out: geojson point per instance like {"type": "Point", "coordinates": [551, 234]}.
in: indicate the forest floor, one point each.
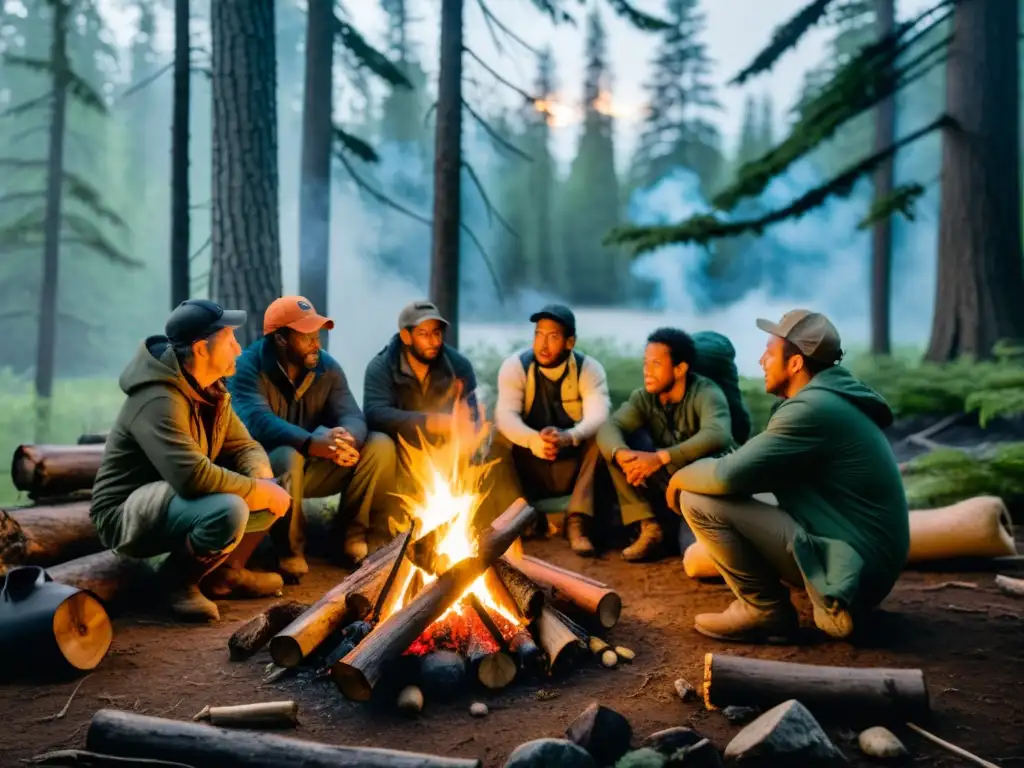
{"type": "Point", "coordinates": [967, 641]}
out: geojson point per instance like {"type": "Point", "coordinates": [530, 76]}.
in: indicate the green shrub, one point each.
{"type": "Point", "coordinates": [948, 476]}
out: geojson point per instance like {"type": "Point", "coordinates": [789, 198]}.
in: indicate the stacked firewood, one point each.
{"type": "Point", "coordinates": [440, 638]}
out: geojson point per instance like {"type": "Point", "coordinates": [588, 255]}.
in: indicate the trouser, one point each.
{"type": "Point", "coordinates": [365, 489]}
{"type": "Point", "coordinates": [648, 501]}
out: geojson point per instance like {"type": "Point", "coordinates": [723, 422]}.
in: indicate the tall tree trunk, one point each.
{"type": "Point", "coordinates": [46, 344]}
{"type": "Point", "coordinates": [444, 257]}
{"type": "Point", "coordinates": [246, 259]}
{"type": "Point", "coordinates": [317, 130]}
{"type": "Point", "coordinates": [180, 272]}
{"type": "Point", "coordinates": [881, 234]}
{"type": "Point", "coordinates": [980, 276]}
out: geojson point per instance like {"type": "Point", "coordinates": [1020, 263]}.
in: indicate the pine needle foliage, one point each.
{"type": "Point", "coordinates": [947, 476]}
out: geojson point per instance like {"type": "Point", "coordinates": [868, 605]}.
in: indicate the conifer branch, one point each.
{"type": "Point", "coordinates": [369, 56]}
{"type": "Point", "coordinates": [201, 249]}
{"type": "Point", "coordinates": [492, 212]}
{"type": "Point", "coordinates": [85, 94]}
{"type": "Point", "coordinates": [494, 21]}
{"type": "Point", "coordinates": [346, 142]}
{"type": "Point", "coordinates": [639, 19]}
{"type": "Point", "coordinates": [704, 228]}
{"type": "Point", "coordinates": [27, 106]}
{"type": "Point", "coordinates": [784, 37]}
{"type": "Point", "coordinates": [901, 200]}
{"type": "Point", "coordinates": [495, 136]}
{"type": "Point", "coordinates": [499, 78]}
{"type": "Point", "coordinates": [136, 87]}
{"type": "Point", "coordinates": [558, 15]}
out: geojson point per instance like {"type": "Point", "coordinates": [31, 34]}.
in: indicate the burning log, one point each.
{"type": "Point", "coordinates": [46, 535]}
{"type": "Point", "coordinates": [357, 673]}
{"type": "Point", "coordinates": [55, 470]}
{"type": "Point", "coordinates": [125, 734]}
{"type": "Point", "coordinates": [491, 661]}
{"type": "Point", "coordinates": [526, 595]}
{"type": "Point", "coordinates": [112, 578]}
{"type": "Point", "coordinates": [255, 633]}
{"type": "Point", "coordinates": [529, 657]}
{"type": "Point", "coordinates": [555, 636]}
{"type": "Point", "coordinates": [566, 586]}
{"type": "Point", "coordinates": [896, 693]}
{"type": "Point", "coordinates": [355, 597]}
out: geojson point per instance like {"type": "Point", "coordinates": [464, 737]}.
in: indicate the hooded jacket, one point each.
{"type": "Point", "coordinates": [168, 431]}
{"type": "Point", "coordinates": [826, 459]}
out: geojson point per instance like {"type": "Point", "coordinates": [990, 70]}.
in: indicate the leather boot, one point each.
{"type": "Point", "coordinates": [835, 621]}
{"type": "Point", "coordinates": [179, 576]}
{"type": "Point", "coordinates": [233, 579]}
{"type": "Point", "coordinates": [576, 531]}
{"type": "Point", "coordinates": [356, 547]}
{"type": "Point", "coordinates": [647, 544]}
{"type": "Point", "coordinates": [743, 623]}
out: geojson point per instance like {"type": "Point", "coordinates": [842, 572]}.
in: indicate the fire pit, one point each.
{"type": "Point", "coordinates": [444, 598]}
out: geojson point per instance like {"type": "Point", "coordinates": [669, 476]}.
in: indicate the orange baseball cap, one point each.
{"type": "Point", "coordinates": [295, 312]}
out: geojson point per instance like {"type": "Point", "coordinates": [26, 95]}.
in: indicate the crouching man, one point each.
{"type": "Point", "coordinates": [551, 402]}
{"type": "Point", "coordinates": [678, 417]}
{"type": "Point", "coordinates": [295, 400]}
{"type": "Point", "coordinates": [180, 473]}
{"type": "Point", "coordinates": [841, 528]}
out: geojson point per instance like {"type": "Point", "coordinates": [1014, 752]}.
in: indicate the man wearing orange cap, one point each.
{"type": "Point", "coordinates": [295, 401]}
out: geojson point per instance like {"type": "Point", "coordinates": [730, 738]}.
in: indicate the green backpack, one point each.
{"type": "Point", "coordinates": [716, 360]}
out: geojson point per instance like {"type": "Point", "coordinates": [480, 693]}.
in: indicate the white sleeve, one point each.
{"type": "Point", "coordinates": [597, 403]}
{"type": "Point", "coordinates": [508, 411]}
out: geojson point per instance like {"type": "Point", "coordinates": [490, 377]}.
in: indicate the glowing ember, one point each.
{"type": "Point", "coordinates": [560, 113]}
{"type": "Point", "coordinates": [447, 498]}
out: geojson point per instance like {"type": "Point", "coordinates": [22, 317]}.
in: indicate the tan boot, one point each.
{"type": "Point", "coordinates": [292, 568]}
{"type": "Point", "coordinates": [576, 531]}
{"type": "Point", "coordinates": [233, 579]}
{"type": "Point", "coordinates": [834, 621]}
{"type": "Point", "coordinates": [743, 623]}
{"type": "Point", "coordinates": [179, 576]}
{"type": "Point", "coordinates": [647, 544]}
{"type": "Point", "coordinates": [356, 547]}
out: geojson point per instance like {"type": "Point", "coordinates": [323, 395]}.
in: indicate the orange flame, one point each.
{"type": "Point", "coordinates": [560, 113]}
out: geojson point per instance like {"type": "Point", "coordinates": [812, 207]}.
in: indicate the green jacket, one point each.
{"type": "Point", "coordinates": [826, 459]}
{"type": "Point", "coordinates": [696, 427]}
{"type": "Point", "coordinates": [167, 431]}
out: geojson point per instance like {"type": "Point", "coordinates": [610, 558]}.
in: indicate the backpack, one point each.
{"type": "Point", "coordinates": [716, 360]}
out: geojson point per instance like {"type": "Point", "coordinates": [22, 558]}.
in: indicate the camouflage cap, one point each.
{"type": "Point", "coordinates": [810, 332]}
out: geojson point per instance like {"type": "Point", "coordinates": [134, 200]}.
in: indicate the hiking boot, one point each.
{"type": "Point", "coordinates": [188, 603]}
{"type": "Point", "coordinates": [576, 531]}
{"type": "Point", "coordinates": [743, 623]}
{"type": "Point", "coordinates": [179, 575]}
{"type": "Point", "coordinates": [647, 544]}
{"type": "Point", "coordinates": [356, 547]}
{"type": "Point", "coordinates": [232, 581]}
{"type": "Point", "coordinates": [292, 568]}
{"type": "Point", "coordinates": [834, 621]}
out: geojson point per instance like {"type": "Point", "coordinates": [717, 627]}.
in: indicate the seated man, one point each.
{"type": "Point", "coordinates": [295, 400]}
{"type": "Point", "coordinates": [678, 417]}
{"type": "Point", "coordinates": [841, 527]}
{"type": "Point", "coordinates": [551, 402]}
{"type": "Point", "coordinates": [180, 473]}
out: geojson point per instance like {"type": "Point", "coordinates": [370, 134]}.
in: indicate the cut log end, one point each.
{"type": "Point", "coordinates": [83, 631]}
{"type": "Point", "coordinates": [609, 609]}
{"type": "Point", "coordinates": [496, 670]}
{"type": "Point", "coordinates": [285, 651]}
{"type": "Point", "coordinates": [351, 682]}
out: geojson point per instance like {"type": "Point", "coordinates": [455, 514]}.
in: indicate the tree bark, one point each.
{"type": "Point", "coordinates": [444, 257]}
{"type": "Point", "coordinates": [46, 535]}
{"type": "Point", "coordinates": [246, 261]}
{"type": "Point", "coordinates": [980, 273]}
{"type": "Point", "coordinates": [317, 138]}
{"type": "Point", "coordinates": [114, 579]}
{"type": "Point", "coordinates": [180, 267]}
{"type": "Point", "coordinates": [46, 344]}
{"type": "Point", "coordinates": [881, 233]}
{"type": "Point", "coordinates": [55, 470]}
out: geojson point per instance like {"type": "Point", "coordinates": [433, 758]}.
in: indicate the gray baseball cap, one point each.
{"type": "Point", "coordinates": [810, 332]}
{"type": "Point", "coordinates": [419, 312]}
{"type": "Point", "coordinates": [197, 319]}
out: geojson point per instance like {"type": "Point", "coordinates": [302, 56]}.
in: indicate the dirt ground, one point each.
{"type": "Point", "coordinates": [967, 641]}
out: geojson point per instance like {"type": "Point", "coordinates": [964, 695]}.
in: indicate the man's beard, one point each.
{"type": "Point", "coordinates": [306, 362]}
{"type": "Point", "coordinates": [420, 356]}
{"type": "Point", "coordinates": [558, 360]}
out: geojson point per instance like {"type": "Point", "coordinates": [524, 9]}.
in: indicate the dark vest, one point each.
{"type": "Point", "coordinates": [551, 403]}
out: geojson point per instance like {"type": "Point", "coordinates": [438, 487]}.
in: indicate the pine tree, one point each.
{"type": "Point", "coordinates": [678, 132]}
{"type": "Point", "coordinates": [766, 125]}
{"type": "Point", "coordinates": [403, 109]}
{"type": "Point", "coordinates": [749, 145]}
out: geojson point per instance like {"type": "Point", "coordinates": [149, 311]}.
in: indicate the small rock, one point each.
{"type": "Point", "coordinates": [624, 653]}
{"type": "Point", "coordinates": [609, 659]}
{"type": "Point", "coordinates": [643, 758]}
{"type": "Point", "coordinates": [548, 753]}
{"type": "Point", "coordinates": [684, 690]}
{"type": "Point", "coordinates": [784, 735]}
{"type": "Point", "coordinates": [684, 746]}
{"type": "Point", "coordinates": [410, 700]}
{"type": "Point", "coordinates": [603, 732]}
{"type": "Point", "coordinates": [670, 740]}
{"type": "Point", "coordinates": [597, 645]}
{"type": "Point", "coordinates": [881, 743]}
{"type": "Point", "coordinates": [443, 674]}
{"type": "Point", "coordinates": [739, 715]}
{"type": "Point", "coordinates": [478, 709]}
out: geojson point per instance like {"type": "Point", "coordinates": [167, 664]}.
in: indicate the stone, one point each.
{"type": "Point", "coordinates": [642, 758]}
{"type": "Point", "coordinates": [478, 709]}
{"type": "Point", "coordinates": [549, 753]}
{"type": "Point", "coordinates": [684, 746]}
{"type": "Point", "coordinates": [786, 734]}
{"type": "Point", "coordinates": [609, 658]}
{"type": "Point", "coordinates": [738, 715]}
{"type": "Point", "coordinates": [684, 690]}
{"type": "Point", "coordinates": [410, 700]}
{"type": "Point", "coordinates": [672, 739]}
{"type": "Point", "coordinates": [603, 732]}
{"type": "Point", "coordinates": [881, 743]}
{"type": "Point", "coordinates": [442, 675]}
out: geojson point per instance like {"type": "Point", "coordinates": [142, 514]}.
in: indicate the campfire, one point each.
{"type": "Point", "coordinates": [446, 602]}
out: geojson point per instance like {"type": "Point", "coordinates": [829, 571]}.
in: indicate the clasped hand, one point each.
{"type": "Point", "coordinates": [554, 440]}
{"type": "Point", "coordinates": [335, 444]}
{"type": "Point", "coordinates": [638, 465]}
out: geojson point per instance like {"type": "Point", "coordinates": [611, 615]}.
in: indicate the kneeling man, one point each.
{"type": "Point", "coordinates": [841, 528]}
{"type": "Point", "coordinates": [295, 400]}
{"type": "Point", "coordinates": [180, 473]}
{"type": "Point", "coordinates": [551, 402]}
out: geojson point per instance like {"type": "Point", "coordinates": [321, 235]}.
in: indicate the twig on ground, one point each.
{"type": "Point", "coordinates": [951, 747]}
{"type": "Point", "coordinates": [944, 585]}
{"type": "Point", "coordinates": [64, 710]}
{"type": "Point", "coordinates": [634, 694]}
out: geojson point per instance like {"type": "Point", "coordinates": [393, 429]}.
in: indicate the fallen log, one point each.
{"type": "Point", "coordinates": [979, 527]}
{"type": "Point", "coordinates": [1008, 585]}
{"type": "Point", "coordinates": [126, 734]}
{"type": "Point", "coordinates": [558, 641]}
{"type": "Point", "coordinates": [526, 595]}
{"type": "Point", "coordinates": [257, 631]}
{"type": "Point", "coordinates": [353, 598]}
{"type": "Point", "coordinates": [112, 578]}
{"type": "Point", "coordinates": [587, 594]}
{"type": "Point", "coordinates": [264, 714]}
{"type": "Point", "coordinates": [55, 470]}
{"type": "Point", "coordinates": [357, 673]}
{"type": "Point", "coordinates": [92, 438]}
{"type": "Point", "coordinates": [46, 535]}
{"type": "Point", "coordinates": [895, 694]}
